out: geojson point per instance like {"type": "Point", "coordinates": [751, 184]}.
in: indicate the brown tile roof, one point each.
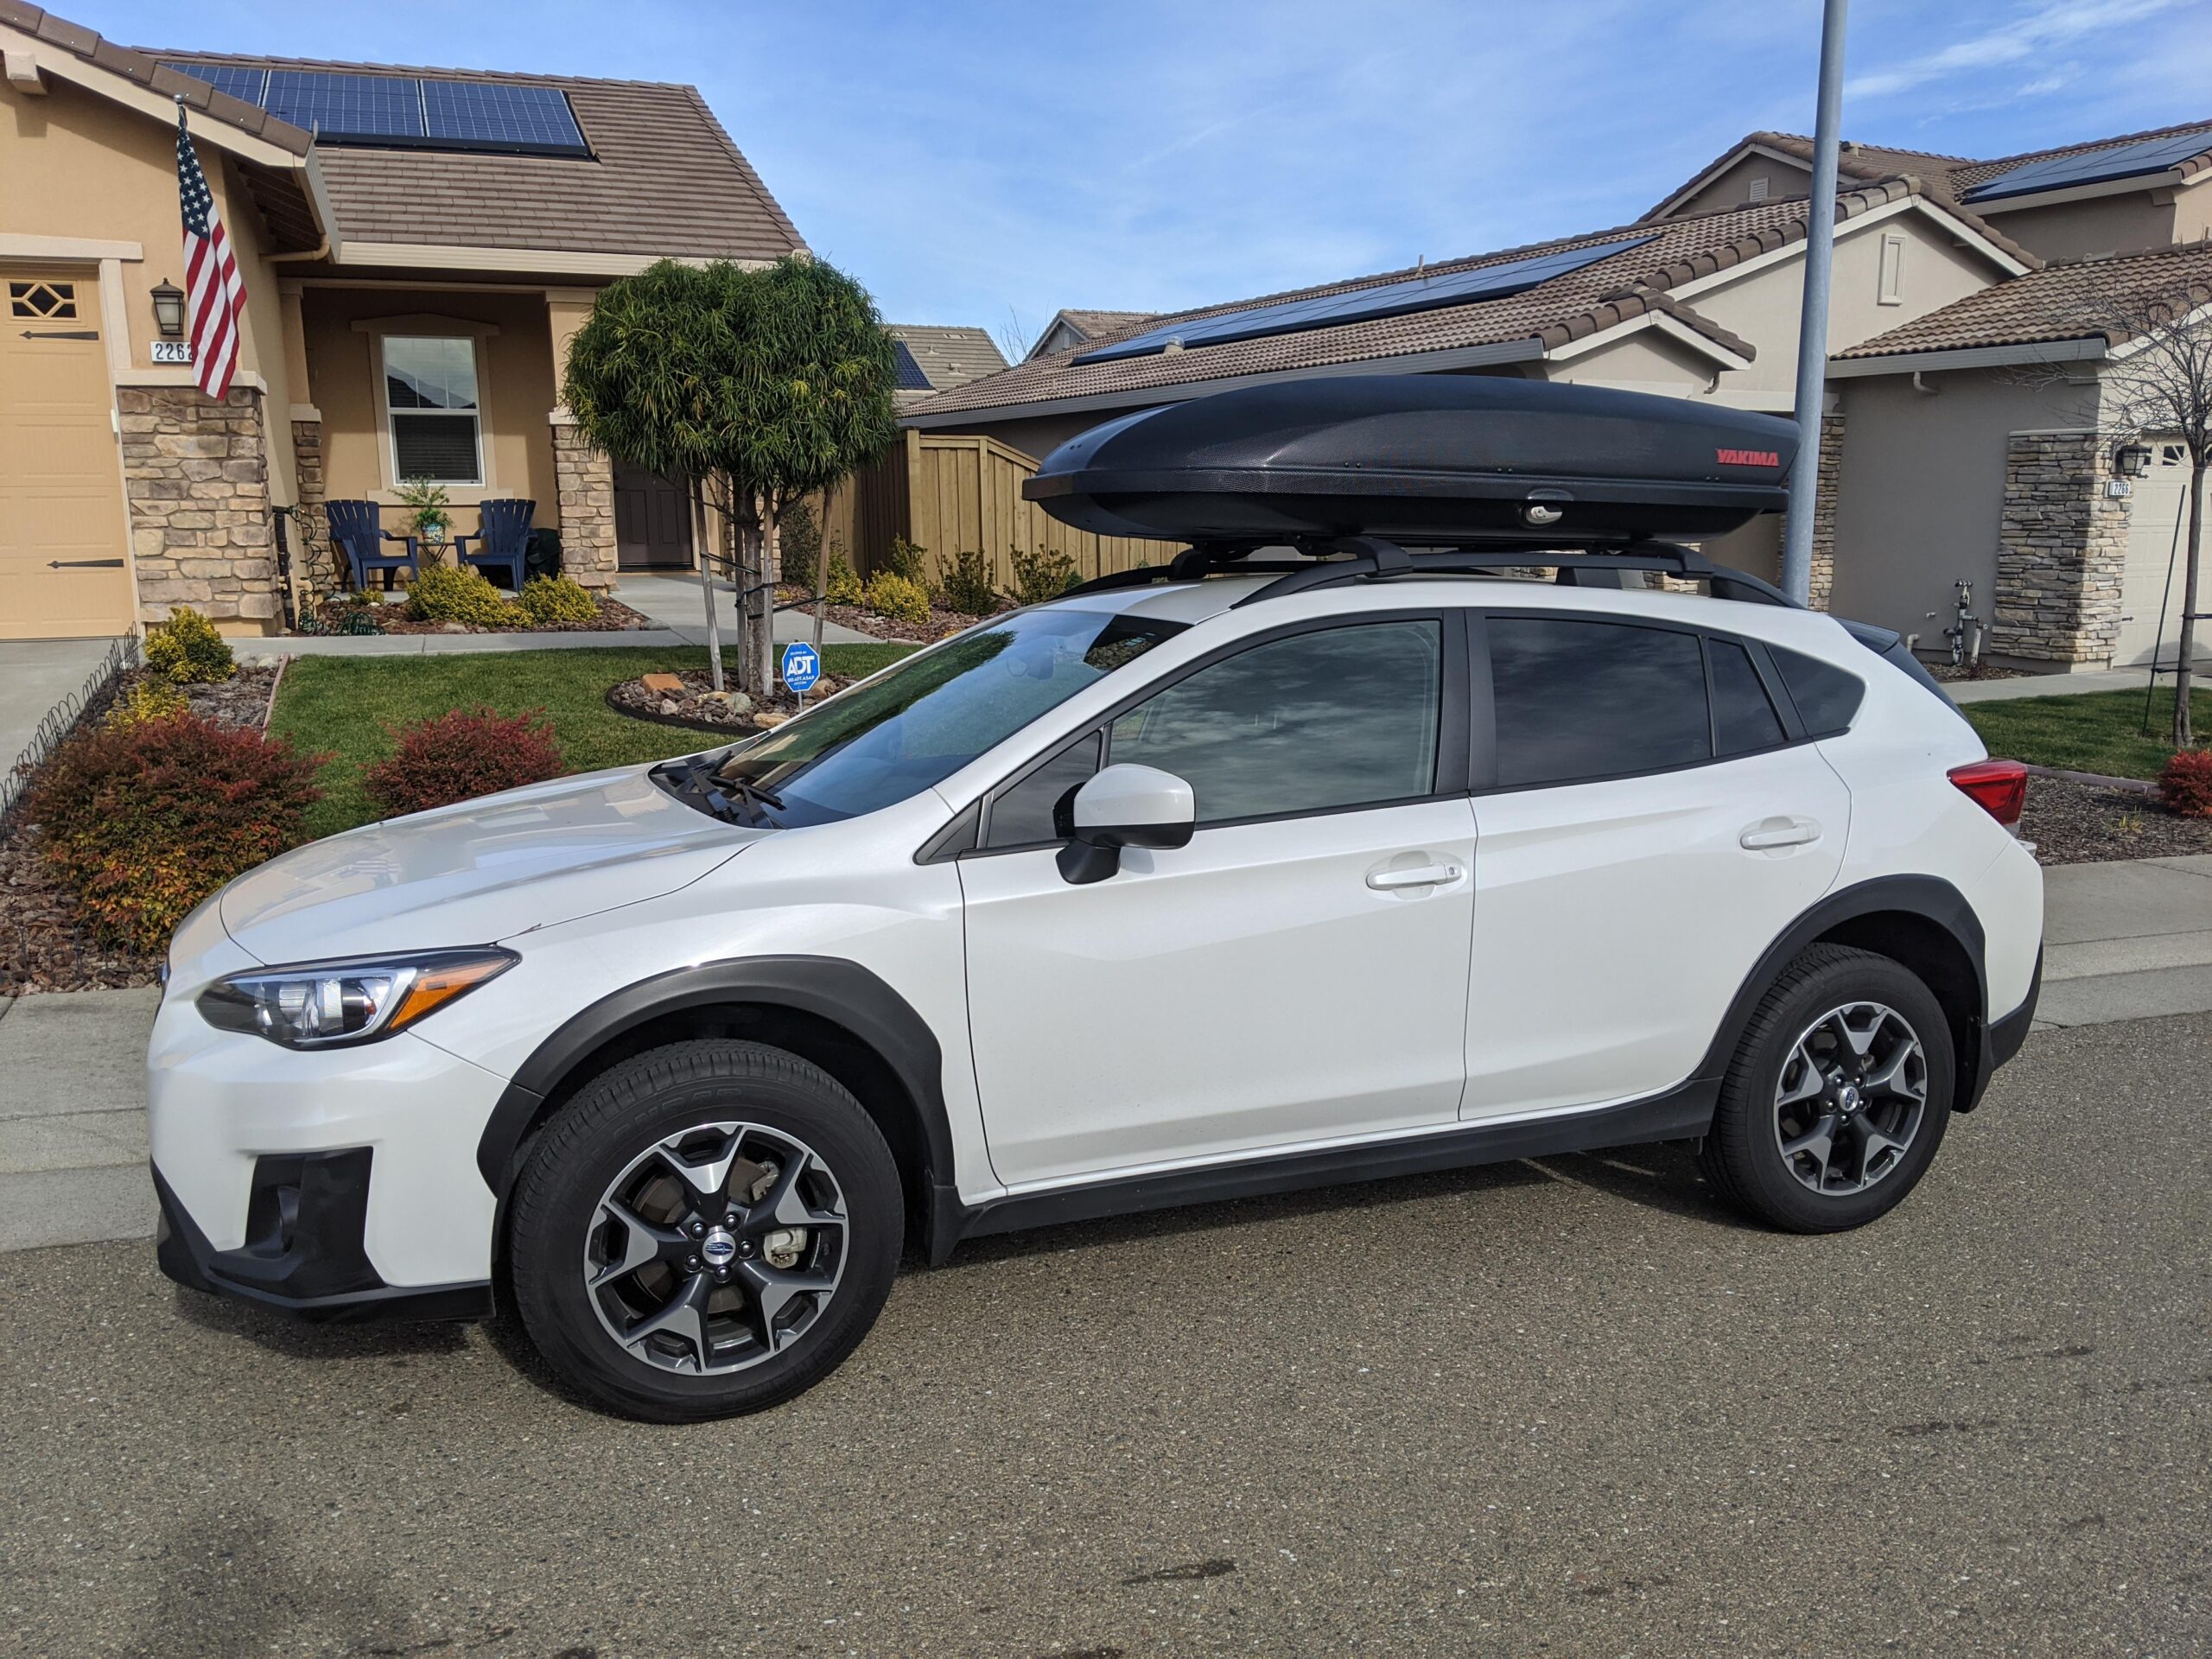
{"type": "Point", "coordinates": [950, 357]}
{"type": "Point", "coordinates": [1599, 295]}
{"type": "Point", "coordinates": [82, 42]}
{"type": "Point", "coordinates": [2059, 302]}
{"type": "Point", "coordinates": [1965, 177]}
{"type": "Point", "coordinates": [1096, 325]}
{"type": "Point", "coordinates": [664, 177]}
{"type": "Point", "coordinates": [1946, 178]}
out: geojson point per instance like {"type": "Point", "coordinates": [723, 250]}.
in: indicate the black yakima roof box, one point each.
{"type": "Point", "coordinates": [1422, 459]}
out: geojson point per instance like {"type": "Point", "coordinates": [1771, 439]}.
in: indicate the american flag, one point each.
{"type": "Point", "coordinates": [214, 294]}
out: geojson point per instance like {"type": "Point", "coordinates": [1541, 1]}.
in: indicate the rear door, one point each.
{"type": "Point", "coordinates": [1297, 973]}
{"type": "Point", "coordinates": [1649, 818]}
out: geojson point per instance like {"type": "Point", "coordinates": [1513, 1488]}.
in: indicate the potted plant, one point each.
{"type": "Point", "coordinates": [432, 514]}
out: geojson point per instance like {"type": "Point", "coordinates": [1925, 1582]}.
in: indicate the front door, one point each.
{"type": "Point", "coordinates": [1646, 830]}
{"type": "Point", "coordinates": [1298, 972]}
{"type": "Point", "coordinates": [62, 544]}
{"type": "Point", "coordinates": [653, 521]}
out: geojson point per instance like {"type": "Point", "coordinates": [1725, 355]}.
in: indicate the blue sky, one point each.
{"type": "Point", "coordinates": [989, 162]}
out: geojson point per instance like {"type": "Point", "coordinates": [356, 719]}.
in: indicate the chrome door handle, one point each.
{"type": "Point", "coordinates": [1770, 833]}
{"type": "Point", "coordinates": [1424, 876]}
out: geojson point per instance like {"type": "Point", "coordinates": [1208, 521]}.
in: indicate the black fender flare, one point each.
{"type": "Point", "coordinates": [1928, 897]}
{"type": "Point", "coordinates": [829, 987]}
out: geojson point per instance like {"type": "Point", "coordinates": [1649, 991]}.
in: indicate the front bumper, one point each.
{"type": "Point", "coordinates": [304, 1251]}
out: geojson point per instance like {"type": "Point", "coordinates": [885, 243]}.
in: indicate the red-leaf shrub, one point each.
{"type": "Point", "coordinates": [2186, 784]}
{"type": "Point", "coordinates": [461, 755]}
{"type": "Point", "coordinates": [142, 820]}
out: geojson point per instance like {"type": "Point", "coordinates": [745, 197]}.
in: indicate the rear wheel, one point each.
{"type": "Point", "coordinates": [1838, 1097]}
{"type": "Point", "coordinates": [706, 1229]}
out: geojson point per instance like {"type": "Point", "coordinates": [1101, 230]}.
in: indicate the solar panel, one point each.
{"type": "Point", "coordinates": [248, 84]}
{"type": "Point", "coordinates": [484, 116]}
{"type": "Point", "coordinates": [911, 378]}
{"type": "Point", "coordinates": [348, 106]}
{"type": "Point", "coordinates": [1363, 304]}
{"type": "Point", "coordinates": [2094, 165]}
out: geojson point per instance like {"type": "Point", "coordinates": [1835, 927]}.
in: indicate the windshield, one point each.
{"type": "Point", "coordinates": [923, 719]}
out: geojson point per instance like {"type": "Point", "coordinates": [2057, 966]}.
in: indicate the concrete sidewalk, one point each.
{"type": "Point", "coordinates": [2051, 685]}
{"type": "Point", "coordinates": [2123, 941]}
{"type": "Point", "coordinates": [35, 675]}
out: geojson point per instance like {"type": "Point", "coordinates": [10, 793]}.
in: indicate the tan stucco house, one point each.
{"type": "Point", "coordinates": [417, 246]}
{"type": "Point", "coordinates": [1950, 449]}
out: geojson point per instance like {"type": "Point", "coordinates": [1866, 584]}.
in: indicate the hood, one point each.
{"type": "Point", "coordinates": [481, 871]}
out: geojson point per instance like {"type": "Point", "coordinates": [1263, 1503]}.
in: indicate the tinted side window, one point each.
{"type": "Point", "coordinates": [1339, 717]}
{"type": "Point", "coordinates": [1742, 716]}
{"type": "Point", "coordinates": [1579, 700]}
{"type": "Point", "coordinates": [1825, 696]}
{"type": "Point", "coordinates": [1023, 814]}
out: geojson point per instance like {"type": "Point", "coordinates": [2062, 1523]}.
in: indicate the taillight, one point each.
{"type": "Point", "coordinates": [1997, 787]}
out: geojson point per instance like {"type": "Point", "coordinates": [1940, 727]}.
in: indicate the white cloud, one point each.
{"type": "Point", "coordinates": [2039, 31]}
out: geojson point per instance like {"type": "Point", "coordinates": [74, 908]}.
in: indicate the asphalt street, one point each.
{"type": "Point", "coordinates": [1568, 1407]}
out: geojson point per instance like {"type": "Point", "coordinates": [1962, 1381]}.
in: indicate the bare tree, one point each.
{"type": "Point", "coordinates": [2156, 382]}
{"type": "Point", "coordinates": [1012, 339]}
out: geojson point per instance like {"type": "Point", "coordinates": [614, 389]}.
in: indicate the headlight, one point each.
{"type": "Point", "coordinates": [330, 1004]}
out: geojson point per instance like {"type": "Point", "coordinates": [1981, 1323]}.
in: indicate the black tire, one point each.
{"type": "Point", "coordinates": [621, 1117]}
{"type": "Point", "coordinates": [1743, 1154]}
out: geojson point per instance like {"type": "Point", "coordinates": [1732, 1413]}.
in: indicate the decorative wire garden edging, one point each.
{"type": "Point", "coordinates": [60, 719]}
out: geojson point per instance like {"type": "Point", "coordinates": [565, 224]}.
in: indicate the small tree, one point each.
{"type": "Point", "coordinates": [819, 406]}
{"type": "Point", "coordinates": [653, 378]}
{"type": "Point", "coordinates": [760, 386]}
{"type": "Point", "coordinates": [2156, 382]}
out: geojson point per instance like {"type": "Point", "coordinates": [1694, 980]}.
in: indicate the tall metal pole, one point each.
{"type": "Point", "coordinates": [1812, 324]}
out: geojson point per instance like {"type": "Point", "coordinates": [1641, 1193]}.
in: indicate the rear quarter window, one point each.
{"type": "Point", "coordinates": [1827, 698]}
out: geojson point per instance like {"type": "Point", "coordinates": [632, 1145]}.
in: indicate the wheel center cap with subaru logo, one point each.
{"type": "Point", "coordinates": [719, 1247]}
{"type": "Point", "coordinates": [1847, 1099]}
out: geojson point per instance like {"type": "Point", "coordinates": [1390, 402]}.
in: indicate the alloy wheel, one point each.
{"type": "Point", "coordinates": [1851, 1098]}
{"type": "Point", "coordinates": [717, 1248]}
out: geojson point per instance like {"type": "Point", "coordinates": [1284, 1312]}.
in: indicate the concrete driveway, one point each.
{"type": "Point", "coordinates": [1569, 1406]}
{"type": "Point", "coordinates": [35, 675]}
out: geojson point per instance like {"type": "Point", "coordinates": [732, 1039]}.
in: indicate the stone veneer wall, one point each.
{"type": "Point", "coordinates": [2062, 551]}
{"type": "Point", "coordinates": [1822, 585]}
{"type": "Point", "coordinates": [196, 474]}
{"type": "Point", "coordinates": [314, 558]}
{"type": "Point", "coordinates": [585, 478]}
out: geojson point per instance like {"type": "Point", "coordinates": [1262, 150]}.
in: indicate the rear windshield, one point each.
{"type": "Point", "coordinates": [923, 719]}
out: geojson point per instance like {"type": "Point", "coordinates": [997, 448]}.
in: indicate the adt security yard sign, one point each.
{"type": "Point", "coordinates": [802, 668]}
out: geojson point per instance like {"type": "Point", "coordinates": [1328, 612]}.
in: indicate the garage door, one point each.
{"type": "Point", "coordinates": [2157, 526]}
{"type": "Point", "coordinates": [62, 542]}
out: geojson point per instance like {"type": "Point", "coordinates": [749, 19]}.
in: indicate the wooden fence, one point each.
{"type": "Point", "coordinates": [955, 492]}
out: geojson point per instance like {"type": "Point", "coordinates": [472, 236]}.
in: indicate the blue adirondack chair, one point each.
{"type": "Point", "coordinates": [503, 528]}
{"type": "Point", "coordinates": [354, 528]}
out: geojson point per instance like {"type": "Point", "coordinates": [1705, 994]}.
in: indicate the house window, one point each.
{"type": "Point", "coordinates": [430, 397]}
{"type": "Point", "coordinates": [42, 301]}
{"type": "Point", "coordinates": [1891, 290]}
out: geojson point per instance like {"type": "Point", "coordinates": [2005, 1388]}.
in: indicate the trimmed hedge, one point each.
{"type": "Point", "coordinates": [894, 596]}
{"type": "Point", "coordinates": [460, 755]}
{"type": "Point", "coordinates": [442, 593]}
{"type": "Point", "coordinates": [143, 819]}
{"type": "Point", "coordinates": [546, 601]}
{"type": "Point", "coordinates": [2186, 784]}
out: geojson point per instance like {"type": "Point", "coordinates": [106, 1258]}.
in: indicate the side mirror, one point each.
{"type": "Point", "coordinates": [1125, 806]}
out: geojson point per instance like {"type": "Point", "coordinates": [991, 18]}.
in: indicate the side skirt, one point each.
{"type": "Point", "coordinates": [1681, 1114]}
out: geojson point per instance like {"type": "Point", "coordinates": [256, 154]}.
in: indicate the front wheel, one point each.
{"type": "Point", "coordinates": [1838, 1097]}
{"type": "Point", "coordinates": [706, 1229]}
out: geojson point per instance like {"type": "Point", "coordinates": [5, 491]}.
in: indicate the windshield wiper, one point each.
{"type": "Point", "coordinates": [732, 800]}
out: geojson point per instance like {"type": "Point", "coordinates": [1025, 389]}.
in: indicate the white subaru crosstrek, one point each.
{"type": "Point", "coordinates": [1169, 890]}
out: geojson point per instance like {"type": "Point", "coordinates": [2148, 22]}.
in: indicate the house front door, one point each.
{"type": "Point", "coordinates": [653, 521]}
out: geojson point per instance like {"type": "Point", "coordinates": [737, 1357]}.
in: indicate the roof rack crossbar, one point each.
{"type": "Point", "coordinates": [1371, 558]}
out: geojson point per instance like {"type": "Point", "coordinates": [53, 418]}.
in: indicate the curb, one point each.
{"type": "Point", "coordinates": [2096, 779]}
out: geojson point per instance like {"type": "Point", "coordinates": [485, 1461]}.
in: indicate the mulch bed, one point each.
{"type": "Point", "coordinates": [2082, 823]}
{"type": "Point", "coordinates": [334, 613]}
{"type": "Point", "coordinates": [45, 945]}
{"type": "Point", "coordinates": [1945, 673]}
{"type": "Point", "coordinates": [699, 709]}
{"type": "Point", "coordinates": [943, 624]}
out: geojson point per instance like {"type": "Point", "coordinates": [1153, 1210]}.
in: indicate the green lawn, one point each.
{"type": "Point", "coordinates": [2097, 731]}
{"type": "Point", "coordinates": [341, 706]}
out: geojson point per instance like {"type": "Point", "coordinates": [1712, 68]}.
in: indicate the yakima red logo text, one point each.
{"type": "Point", "coordinates": [1747, 457]}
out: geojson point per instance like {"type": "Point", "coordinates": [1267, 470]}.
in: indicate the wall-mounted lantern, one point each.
{"type": "Point", "coordinates": [2131, 460]}
{"type": "Point", "coordinates": [168, 310]}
